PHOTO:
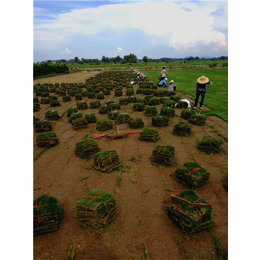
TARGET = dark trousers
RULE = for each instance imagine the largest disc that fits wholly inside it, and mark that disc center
(202, 98)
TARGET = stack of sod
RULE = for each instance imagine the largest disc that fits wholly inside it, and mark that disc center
(160, 93)
(147, 91)
(130, 92)
(47, 139)
(106, 92)
(53, 98)
(169, 103)
(190, 211)
(42, 126)
(138, 106)
(139, 91)
(35, 100)
(71, 110)
(123, 101)
(162, 99)
(74, 116)
(115, 105)
(169, 93)
(38, 93)
(54, 103)
(167, 111)
(104, 125)
(150, 111)
(122, 118)
(131, 99)
(94, 104)
(79, 123)
(45, 94)
(197, 119)
(51, 115)
(91, 94)
(186, 113)
(163, 155)
(192, 175)
(210, 144)
(175, 98)
(82, 105)
(182, 129)
(45, 100)
(96, 210)
(104, 109)
(87, 148)
(106, 161)
(149, 134)
(36, 107)
(100, 96)
(78, 97)
(84, 93)
(141, 100)
(118, 93)
(153, 101)
(182, 104)
(113, 114)
(160, 121)
(66, 98)
(35, 118)
(91, 117)
(47, 214)
(108, 102)
(135, 123)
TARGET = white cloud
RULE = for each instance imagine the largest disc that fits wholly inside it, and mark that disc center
(66, 51)
(119, 49)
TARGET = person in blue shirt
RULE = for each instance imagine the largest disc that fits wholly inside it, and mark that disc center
(163, 82)
(203, 84)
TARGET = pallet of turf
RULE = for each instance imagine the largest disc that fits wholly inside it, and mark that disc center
(162, 100)
(197, 119)
(192, 175)
(51, 115)
(35, 100)
(79, 123)
(90, 117)
(71, 110)
(190, 212)
(54, 103)
(96, 210)
(74, 116)
(104, 125)
(115, 105)
(106, 92)
(187, 113)
(113, 114)
(138, 106)
(104, 109)
(135, 123)
(66, 98)
(149, 134)
(169, 103)
(91, 94)
(167, 111)
(47, 214)
(139, 91)
(141, 100)
(36, 107)
(35, 118)
(163, 155)
(78, 97)
(182, 129)
(45, 94)
(153, 101)
(53, 98)
(118, 93)
(130, 92)
(82, 105)
(42, 126)
(95, 104)
(45, 100)
(106, 161)
(160, 121)
(175, 98)
(87, 148)
(122, 118)
(132, 99)
(100, 96)
(170, 93)
(47, 139)
(183, 104)
(123, 101)
(210, 144)
(150, 111)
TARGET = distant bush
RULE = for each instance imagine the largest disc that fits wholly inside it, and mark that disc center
(44, 69)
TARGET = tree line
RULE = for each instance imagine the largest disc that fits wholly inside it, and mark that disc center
(43, 69)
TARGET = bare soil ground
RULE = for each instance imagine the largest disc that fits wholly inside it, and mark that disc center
(142, 194)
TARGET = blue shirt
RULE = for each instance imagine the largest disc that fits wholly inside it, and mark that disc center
(201, 87)
(163, 82)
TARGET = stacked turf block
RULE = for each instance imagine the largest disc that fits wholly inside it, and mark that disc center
(169, 103)
(66, 98)
(182, 129)
(210, 144)
(123, 101)
(197, 120)
(150, 111)
(192, 175)
(104, 109)
(190, 211)
(105, 124)
(115, 105)
(46, 214)
(186, 113)
(122, 118)
(138, 106)
(163, 155)
(87, 148)
(71, 110)
(51, 115)
(74, 116)
(47, 139)
(79, 123)
(54, 103)
(113, 114)
(106, 161)
(175, 98)
(149, 134)
(35, 118)
(36, 107)
(96, 210)
(90, 117)
(135, 123)
(94, 104)
(45, 100)
(42, 126)
(82, 105)
(167, 111)
(160, 121)
(182, 104)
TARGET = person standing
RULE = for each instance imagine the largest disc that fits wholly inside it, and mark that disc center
(203, 84)
(163, 74)
(172, 86)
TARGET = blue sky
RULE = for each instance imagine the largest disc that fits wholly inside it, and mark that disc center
(91, 29)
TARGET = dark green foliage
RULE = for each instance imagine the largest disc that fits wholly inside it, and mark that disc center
(182, 129)
(79, 123)
(160, 121)
(43, 69)
(210, 144)
(190, 211)
(113, 114)
(42, 126)
(135, 123)
(47, 139)
(122, 118)
(187, 113)
(45, 100)
(74, 116)
(82, 105)
(90, 117)
(66, 98)
(149, 134)
(138, 107)
(218, 247)
(87, 148)
(150, 111)
(104, 109)
(197, 119)
(71, 110)
(167, 111)
(192, 175)
(47, 214)
(104, 125)
(163, 155)
(95, 104)
(54, 103)
(96, 210)
(51, 115)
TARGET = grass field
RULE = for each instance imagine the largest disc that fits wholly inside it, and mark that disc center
(216, 96)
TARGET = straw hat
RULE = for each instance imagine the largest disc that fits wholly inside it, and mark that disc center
(171, 81)
(203, 80)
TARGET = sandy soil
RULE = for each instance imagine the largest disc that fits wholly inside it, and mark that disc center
(141, 197)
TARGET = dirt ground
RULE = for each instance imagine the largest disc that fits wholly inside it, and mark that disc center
(142, 193)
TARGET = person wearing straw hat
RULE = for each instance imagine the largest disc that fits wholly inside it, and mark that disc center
(172, 86)
(202, 84)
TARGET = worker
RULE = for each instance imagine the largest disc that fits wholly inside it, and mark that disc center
(163, 74)
(172, 86)
(163, 82)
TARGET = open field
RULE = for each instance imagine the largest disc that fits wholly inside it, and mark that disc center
(143, 192)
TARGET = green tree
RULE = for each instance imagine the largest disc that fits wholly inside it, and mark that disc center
(145, 59)
(131, 58)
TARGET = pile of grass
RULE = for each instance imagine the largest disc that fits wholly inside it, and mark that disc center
(182, 129)
(169, 103)
(51, 115)
(74, 116)
(91, 94)
(149, 134)
(115, 105)
(54, 103)
(36, 107)
(105, 124)
(104, 109)
(87, 148)
(79, 123)
(66, 98)
(190, 212)
(82, 105)
(96, 210)
(94, 104)
(175, 98)
(132, 99)
(197, 119)
(122, 118)
(71, 110)
(160, 121)
(187, 113)
(47, 214)
(182, 104)
(163, 155)
(90, 117)
(123, 101)
(210, 144)
(138, 106)
(100, 96)
(167, 111)
(192, 175)
(113, 114)
(135, 123)
(118, 93)
(45, 100)
(42, 126)
(153, 101)
(47, 139)
(150, 111)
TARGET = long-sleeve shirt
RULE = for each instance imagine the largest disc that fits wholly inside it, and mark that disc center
(202, 87)
(171, 87)
(164, 73)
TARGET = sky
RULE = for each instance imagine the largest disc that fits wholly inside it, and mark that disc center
(156, 29)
